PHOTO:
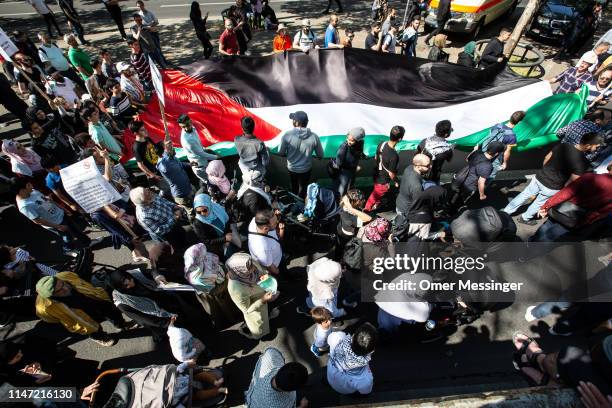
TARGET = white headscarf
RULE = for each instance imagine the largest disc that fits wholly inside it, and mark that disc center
(324, 278)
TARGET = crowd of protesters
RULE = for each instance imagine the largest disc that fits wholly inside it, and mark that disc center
(226, 237)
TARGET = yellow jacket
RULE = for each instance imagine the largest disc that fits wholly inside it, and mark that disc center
(75, 320)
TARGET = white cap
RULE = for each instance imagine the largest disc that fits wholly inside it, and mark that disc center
(281, 26)
(590, 58)
(122, 66)
(306, 22)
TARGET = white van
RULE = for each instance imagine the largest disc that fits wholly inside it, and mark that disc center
(469, 16)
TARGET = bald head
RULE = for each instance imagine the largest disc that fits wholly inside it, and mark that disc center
(421, 160)
(421, 163)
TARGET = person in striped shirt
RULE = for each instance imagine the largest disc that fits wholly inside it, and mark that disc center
(599, 90)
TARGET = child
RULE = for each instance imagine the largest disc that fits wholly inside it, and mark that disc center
(184, 346)
(323, 318)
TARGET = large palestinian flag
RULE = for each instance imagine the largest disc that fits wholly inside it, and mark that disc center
(342, 89)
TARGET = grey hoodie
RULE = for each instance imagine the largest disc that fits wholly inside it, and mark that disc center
(298, 144)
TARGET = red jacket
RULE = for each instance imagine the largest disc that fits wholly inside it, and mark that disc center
(591, 191)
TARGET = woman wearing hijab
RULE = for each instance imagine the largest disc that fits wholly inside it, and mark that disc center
(139, 298)
(199, 25)
(211, 224)
(437, 53)
(243, 274)
(467, 57)
(219, 187)
(25, 162)
(421, 213)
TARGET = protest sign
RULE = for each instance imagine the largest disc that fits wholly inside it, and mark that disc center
(84, 183)
(7, 47)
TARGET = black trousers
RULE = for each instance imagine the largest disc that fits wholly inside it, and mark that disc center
(329, 3)
(299, 182)
(50, 19)
(208, 47)
(115, 12)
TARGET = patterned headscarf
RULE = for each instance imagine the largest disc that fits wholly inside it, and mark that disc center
(28, 159)
(238, 268)
(202, 268)
(345, 358)
(216, 175)
(378, 230)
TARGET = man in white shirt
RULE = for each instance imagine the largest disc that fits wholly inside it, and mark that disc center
(305, 39)
(264, 242)
(58, 86)
(41, 8)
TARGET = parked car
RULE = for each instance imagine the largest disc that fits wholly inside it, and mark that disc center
(555, 18)
(469, 16)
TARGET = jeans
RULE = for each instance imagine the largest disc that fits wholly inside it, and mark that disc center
(299, 183)
(343, 182)
(74, 232)
(496, 165)
(390, 323)
(547, 308)
(535, 188)
(119, 235)
(376, 196)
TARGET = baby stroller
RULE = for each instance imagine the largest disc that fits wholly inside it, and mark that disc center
(149, 386)
(317, 216)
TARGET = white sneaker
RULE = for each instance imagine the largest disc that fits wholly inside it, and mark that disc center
(528, 314)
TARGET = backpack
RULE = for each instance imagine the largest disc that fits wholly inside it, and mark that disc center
(495, 135)
(435, 146)
(310, 35)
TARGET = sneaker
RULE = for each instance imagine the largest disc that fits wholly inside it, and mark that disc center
(302, 310)
(244, 330)
(529, 315)
(350, 305)
(315, 350)
(127, 325)
(104, 339)
(527, 222)
(274, 313)
(560, 330)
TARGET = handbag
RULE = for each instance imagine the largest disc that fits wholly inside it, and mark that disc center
(568, 214)
(353, 253)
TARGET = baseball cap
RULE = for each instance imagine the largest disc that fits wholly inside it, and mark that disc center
(306, 22)
(281, 26)
(122, 66)
(299, 116)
